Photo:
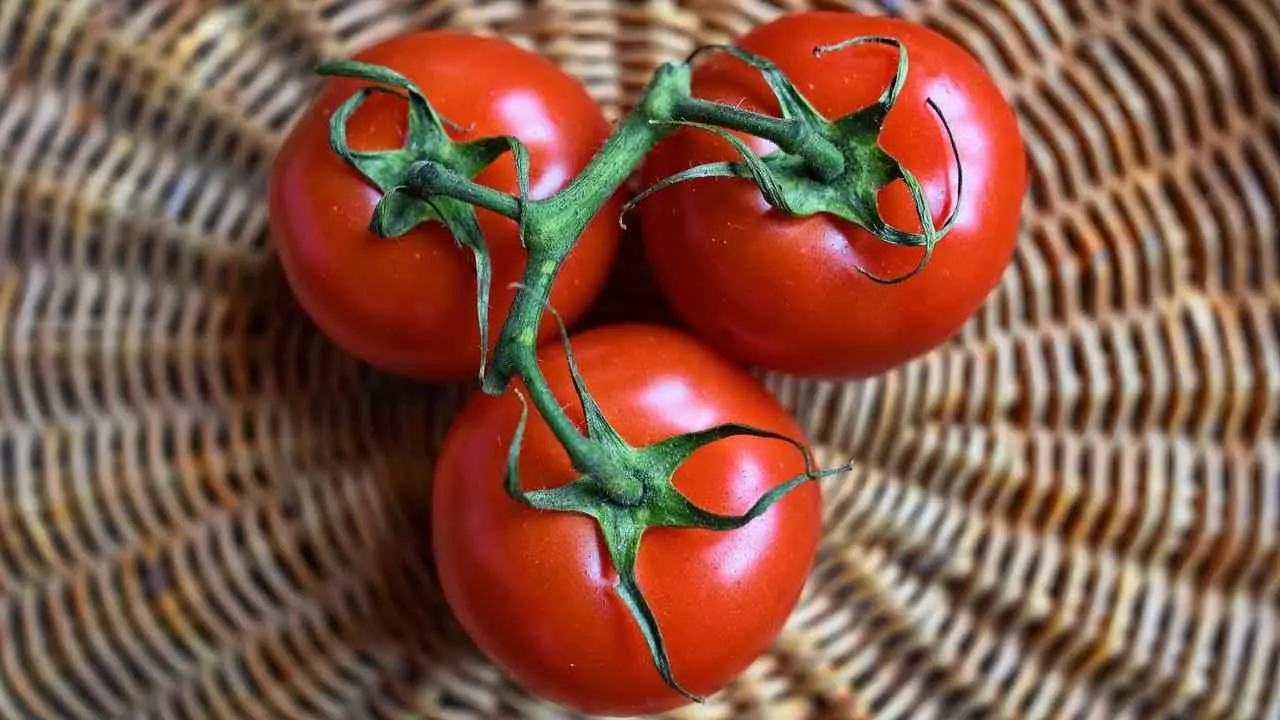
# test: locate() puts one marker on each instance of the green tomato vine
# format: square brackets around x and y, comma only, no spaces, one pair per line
[836,167]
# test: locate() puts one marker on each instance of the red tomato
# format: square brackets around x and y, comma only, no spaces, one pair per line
[407,305]
[783,293]
[534,589]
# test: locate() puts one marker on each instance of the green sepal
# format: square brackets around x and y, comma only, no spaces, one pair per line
[794,105]
[706,170]
[598,427]
[665,456]
[400,209]
[857,199]
[475,156]
[582,496]
[579,496]
[426,127]
[622,534]
[788,182]
[512,477]
[384,168]
[620,527]
[671,508]
[884,169]
[871,118]
[460,219]
[752,166]
[576,497]
[622,524]
[425,138]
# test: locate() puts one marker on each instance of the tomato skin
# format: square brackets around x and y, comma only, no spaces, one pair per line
[535,589]
[407,305]
[783,293]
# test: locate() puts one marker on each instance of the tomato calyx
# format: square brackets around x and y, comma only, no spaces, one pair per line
[821,166]
[427,145]
[627,490]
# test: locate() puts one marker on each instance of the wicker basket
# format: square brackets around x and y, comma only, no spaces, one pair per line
[206,510]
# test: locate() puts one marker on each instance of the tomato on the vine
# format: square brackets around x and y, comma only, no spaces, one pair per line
[535,589]
[408,305]
[784,293]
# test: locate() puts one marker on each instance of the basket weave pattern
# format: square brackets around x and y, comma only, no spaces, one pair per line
[206,510]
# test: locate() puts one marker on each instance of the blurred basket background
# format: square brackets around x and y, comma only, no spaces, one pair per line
[206,510]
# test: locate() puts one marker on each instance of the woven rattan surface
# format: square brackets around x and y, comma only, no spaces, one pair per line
[1072,510]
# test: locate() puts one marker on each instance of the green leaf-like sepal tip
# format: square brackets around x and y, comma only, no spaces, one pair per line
[622,519]
[790,184]
[751,166]
[794,105]
[401,208]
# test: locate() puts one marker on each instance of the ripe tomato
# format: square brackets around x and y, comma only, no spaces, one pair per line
[534,589]
[782,292]
[407,305]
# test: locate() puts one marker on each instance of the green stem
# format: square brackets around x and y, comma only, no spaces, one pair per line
[779,131]
[553,225]
[792,136]
[515,351]
[517,355]
[429,178]
[556,222]
[575,443]
[587,457]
